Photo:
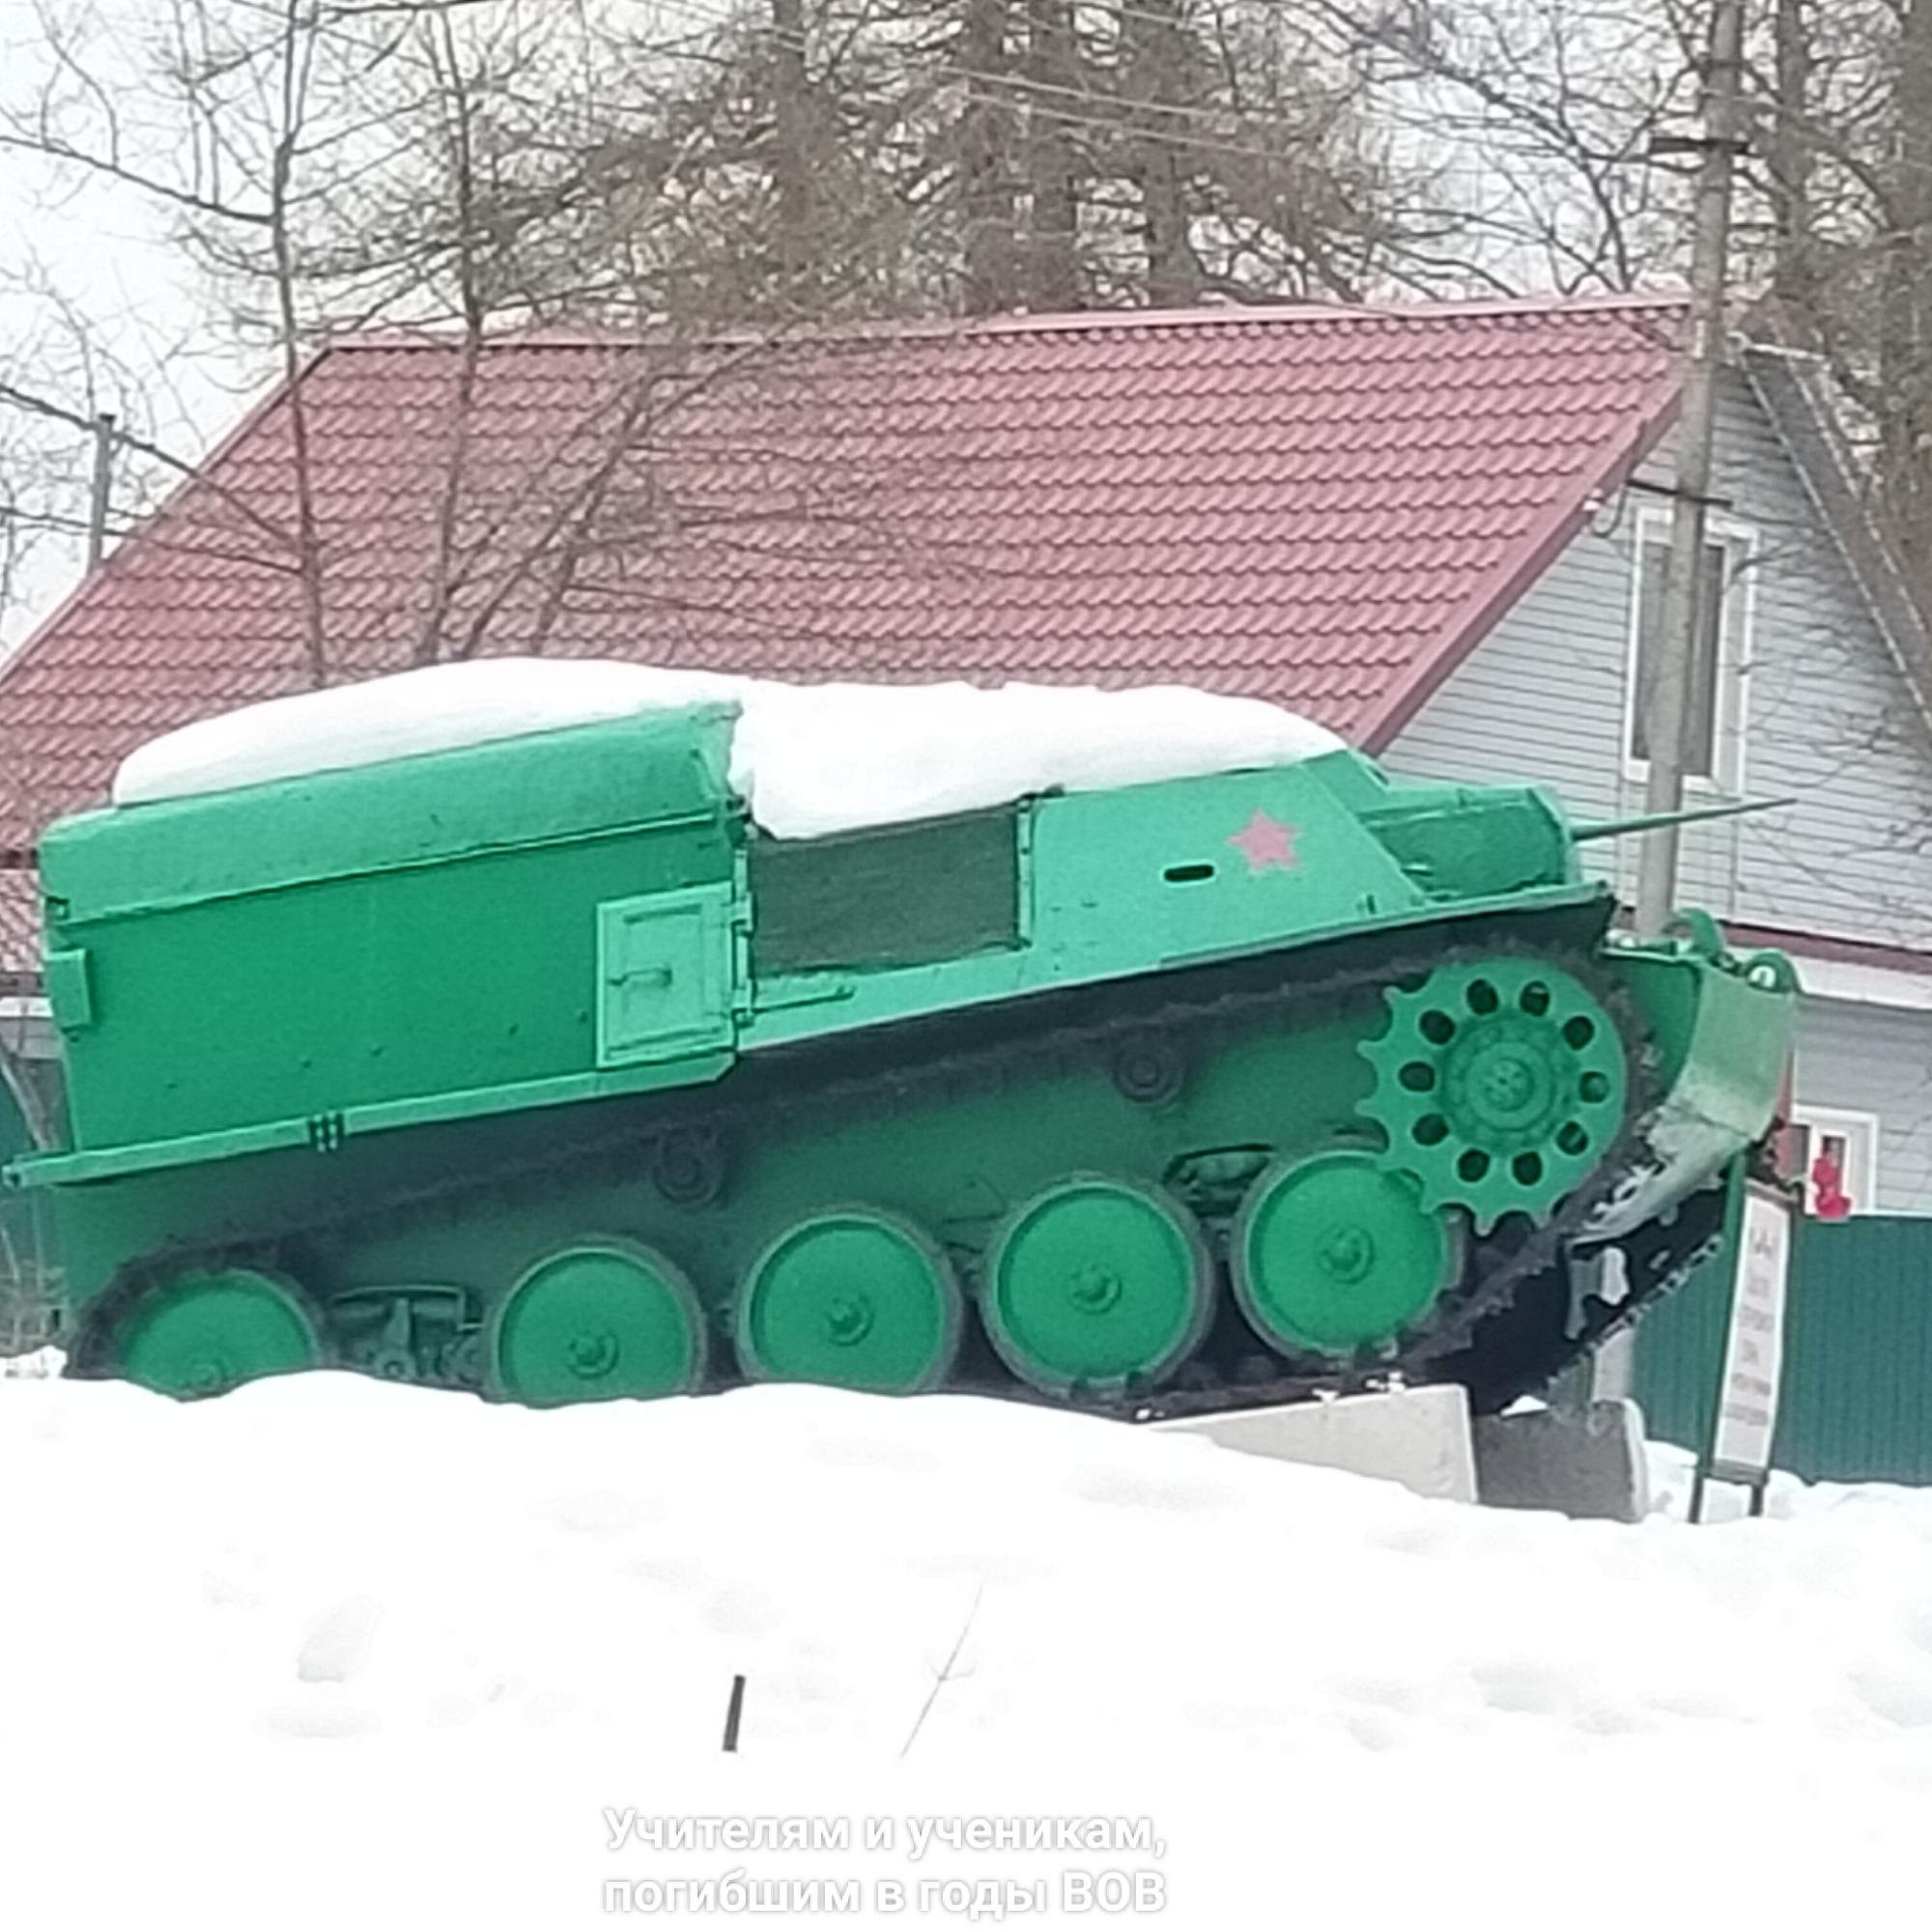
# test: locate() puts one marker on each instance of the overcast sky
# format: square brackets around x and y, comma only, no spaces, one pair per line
[96,308]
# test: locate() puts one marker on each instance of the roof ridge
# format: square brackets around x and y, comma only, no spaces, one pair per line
[552,338]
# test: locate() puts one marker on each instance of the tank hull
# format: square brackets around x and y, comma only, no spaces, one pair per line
[404,1250]
[534,1066]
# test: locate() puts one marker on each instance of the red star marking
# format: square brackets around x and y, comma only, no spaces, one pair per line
[1265,841]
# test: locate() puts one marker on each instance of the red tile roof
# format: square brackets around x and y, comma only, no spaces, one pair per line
[1325,507]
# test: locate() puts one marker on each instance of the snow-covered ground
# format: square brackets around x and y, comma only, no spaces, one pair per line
[331,1652]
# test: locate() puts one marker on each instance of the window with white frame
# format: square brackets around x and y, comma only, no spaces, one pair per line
[1836,1157]
[1721,649]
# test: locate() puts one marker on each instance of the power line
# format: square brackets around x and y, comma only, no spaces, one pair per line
[1122,123]
[1099,109]
[1085,106]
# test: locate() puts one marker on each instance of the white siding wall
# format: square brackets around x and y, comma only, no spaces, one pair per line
[1875,1060]
[1829,717]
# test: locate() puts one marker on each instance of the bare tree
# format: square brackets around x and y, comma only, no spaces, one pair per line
[1161,78]
[1052,277]
[1531,130]
[986,138]
[332,168]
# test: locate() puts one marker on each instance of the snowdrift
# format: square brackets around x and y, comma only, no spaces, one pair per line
[331,1652]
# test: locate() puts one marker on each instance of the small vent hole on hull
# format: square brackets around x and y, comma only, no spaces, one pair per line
[1187,875]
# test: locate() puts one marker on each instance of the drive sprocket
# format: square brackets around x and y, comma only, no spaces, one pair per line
[1499,1083]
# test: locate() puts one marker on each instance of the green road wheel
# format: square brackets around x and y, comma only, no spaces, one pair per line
[206,1332]
[854,1297]
[599,1320]
[1097,1284]
[1334,1253]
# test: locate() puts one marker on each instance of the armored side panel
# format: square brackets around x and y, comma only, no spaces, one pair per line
[515,923]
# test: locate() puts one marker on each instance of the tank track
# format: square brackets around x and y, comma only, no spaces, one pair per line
[1498,1266]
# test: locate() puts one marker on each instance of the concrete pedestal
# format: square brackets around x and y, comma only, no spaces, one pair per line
[1417,1438]
[1584,1463]
[1587,1463]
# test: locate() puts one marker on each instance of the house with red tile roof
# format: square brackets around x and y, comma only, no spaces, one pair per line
[1438,529]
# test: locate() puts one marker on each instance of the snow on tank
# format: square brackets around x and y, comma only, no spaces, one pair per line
[808,759]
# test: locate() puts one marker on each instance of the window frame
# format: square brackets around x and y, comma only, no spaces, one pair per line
[1736,642]
[1860,1130]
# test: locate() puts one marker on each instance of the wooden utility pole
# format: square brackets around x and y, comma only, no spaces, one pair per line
[1668,700]
[1789,160]
[1666,716]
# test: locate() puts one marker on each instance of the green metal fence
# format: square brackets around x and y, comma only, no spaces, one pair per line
[1856,1401]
